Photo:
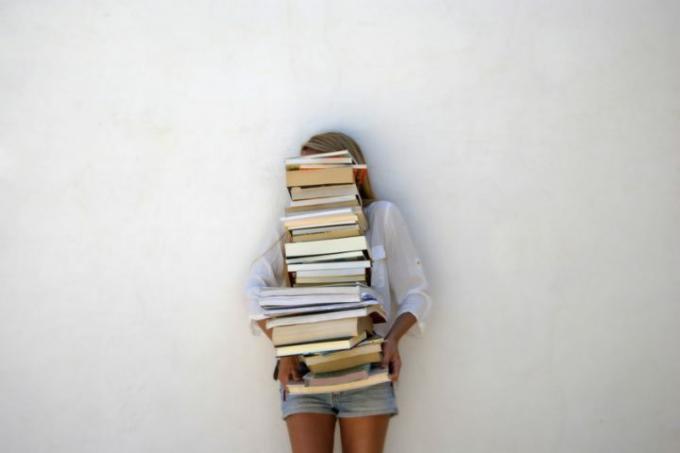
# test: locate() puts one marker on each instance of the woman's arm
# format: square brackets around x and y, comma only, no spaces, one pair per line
[407,279]
[390,347]
[405,270]
[401,325]
[268,270]
[287,368]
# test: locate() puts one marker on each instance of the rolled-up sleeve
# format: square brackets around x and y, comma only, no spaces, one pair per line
[266,270]
[405,269]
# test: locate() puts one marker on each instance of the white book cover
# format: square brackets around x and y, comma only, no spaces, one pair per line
[326,316]
[302,193]
[324,229]
[342,153]
[285,301]
[285,311]
[331,272]
[317,201]
[329,257]
[318,213]
[295,291]
[352,243]
[363,264]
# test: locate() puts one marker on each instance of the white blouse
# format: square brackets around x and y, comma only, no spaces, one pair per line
[397,272]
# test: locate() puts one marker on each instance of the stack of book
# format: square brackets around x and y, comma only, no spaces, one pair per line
[327,312]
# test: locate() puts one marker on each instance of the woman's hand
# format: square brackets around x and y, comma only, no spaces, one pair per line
[288,370]
[390,346]
[391,358]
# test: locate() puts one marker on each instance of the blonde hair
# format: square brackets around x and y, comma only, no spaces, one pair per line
[337,141]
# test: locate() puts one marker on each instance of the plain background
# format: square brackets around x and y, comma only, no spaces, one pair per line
[533,147]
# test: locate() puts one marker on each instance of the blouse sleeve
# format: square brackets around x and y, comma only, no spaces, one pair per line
[405,270]
[266,270]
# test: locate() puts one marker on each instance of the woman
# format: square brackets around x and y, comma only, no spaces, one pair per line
[396,270]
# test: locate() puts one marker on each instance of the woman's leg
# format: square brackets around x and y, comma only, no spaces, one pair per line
[310,432]
[364,434]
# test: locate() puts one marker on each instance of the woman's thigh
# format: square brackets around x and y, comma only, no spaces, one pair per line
[310,432]
[364,434]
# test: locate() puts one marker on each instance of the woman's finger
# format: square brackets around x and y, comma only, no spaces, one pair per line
[386,359]
[397,368]
[283,373]
[296,371]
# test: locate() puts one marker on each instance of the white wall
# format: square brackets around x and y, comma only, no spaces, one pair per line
[532,146]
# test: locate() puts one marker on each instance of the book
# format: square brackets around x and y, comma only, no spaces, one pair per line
[306,280]
[370,345]
[376,376]
[319,346]
[336,257]
[334,175]
[323,229]
[329,158]
[321,331]
[312,162]
[296,310]
[329,265]
[349,374]
[321,203]
[328,232]
[338,219]
[310,299]
[345,201]
[326,217]
[357,291]
[338,153]
[341,364]
[293,249]
[316,175]
[326,191]
[376,312]
[368,351]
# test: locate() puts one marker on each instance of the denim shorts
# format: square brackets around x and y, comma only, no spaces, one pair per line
[376,399]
